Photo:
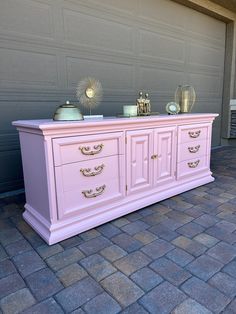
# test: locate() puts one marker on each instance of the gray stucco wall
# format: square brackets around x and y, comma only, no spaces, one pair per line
[47,46]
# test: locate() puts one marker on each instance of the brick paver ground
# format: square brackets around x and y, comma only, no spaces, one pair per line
[177,256]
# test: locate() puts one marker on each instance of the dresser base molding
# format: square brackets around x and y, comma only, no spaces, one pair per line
[62,230]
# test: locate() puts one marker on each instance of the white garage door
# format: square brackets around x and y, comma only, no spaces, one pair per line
[47,46]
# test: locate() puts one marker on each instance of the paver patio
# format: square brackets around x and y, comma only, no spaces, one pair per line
[177,256]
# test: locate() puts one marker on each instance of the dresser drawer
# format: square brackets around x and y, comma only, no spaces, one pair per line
[192,166]
[85,185]
[80,148]
[193,133]
[192,150]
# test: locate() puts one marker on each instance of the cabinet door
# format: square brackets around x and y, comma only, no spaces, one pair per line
[139,162]
[165,152]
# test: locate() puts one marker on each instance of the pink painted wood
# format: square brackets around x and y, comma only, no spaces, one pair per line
[192,166]
[165,150]
[67,150]
[139,163]
[71,183]
[194,149]
[56,205]
[193,133]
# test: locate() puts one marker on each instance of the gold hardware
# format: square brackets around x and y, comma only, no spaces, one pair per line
[154,156]
[193,164]
[126,187]
[91,194]
[143,105]
[194,149]
[86,150]
[88,173]
[194,134]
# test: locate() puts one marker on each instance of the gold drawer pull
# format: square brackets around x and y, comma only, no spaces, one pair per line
[91,194]
[194,149]
[86,150]
[154,156]
[194,134]
[193,164]
[87,172]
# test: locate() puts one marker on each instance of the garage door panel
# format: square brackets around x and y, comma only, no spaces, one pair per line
[26,17]
[11,177]
[156,79]
[216,135]
[23,110]
[205,55]
[164,11]
[89,30]
[25,68]
[204,83]
[119,6]
[206,26]
[113,75]
[207,104]
[161,47]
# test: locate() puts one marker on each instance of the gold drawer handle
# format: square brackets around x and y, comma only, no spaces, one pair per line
[86,150]
[87,172]
[91,194]
[154,156]
[194,149]
[193,164]
[194,134]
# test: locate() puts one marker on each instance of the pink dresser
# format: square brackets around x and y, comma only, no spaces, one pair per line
[79,175]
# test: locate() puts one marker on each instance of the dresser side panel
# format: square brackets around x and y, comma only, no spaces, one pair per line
[35,173]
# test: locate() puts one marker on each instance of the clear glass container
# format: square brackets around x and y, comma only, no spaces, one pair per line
[185,96]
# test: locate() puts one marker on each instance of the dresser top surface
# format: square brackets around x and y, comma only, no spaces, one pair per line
[47,124]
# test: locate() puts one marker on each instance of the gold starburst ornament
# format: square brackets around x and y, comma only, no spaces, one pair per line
[89,93]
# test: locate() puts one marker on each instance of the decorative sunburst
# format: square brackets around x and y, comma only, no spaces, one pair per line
[89,92]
